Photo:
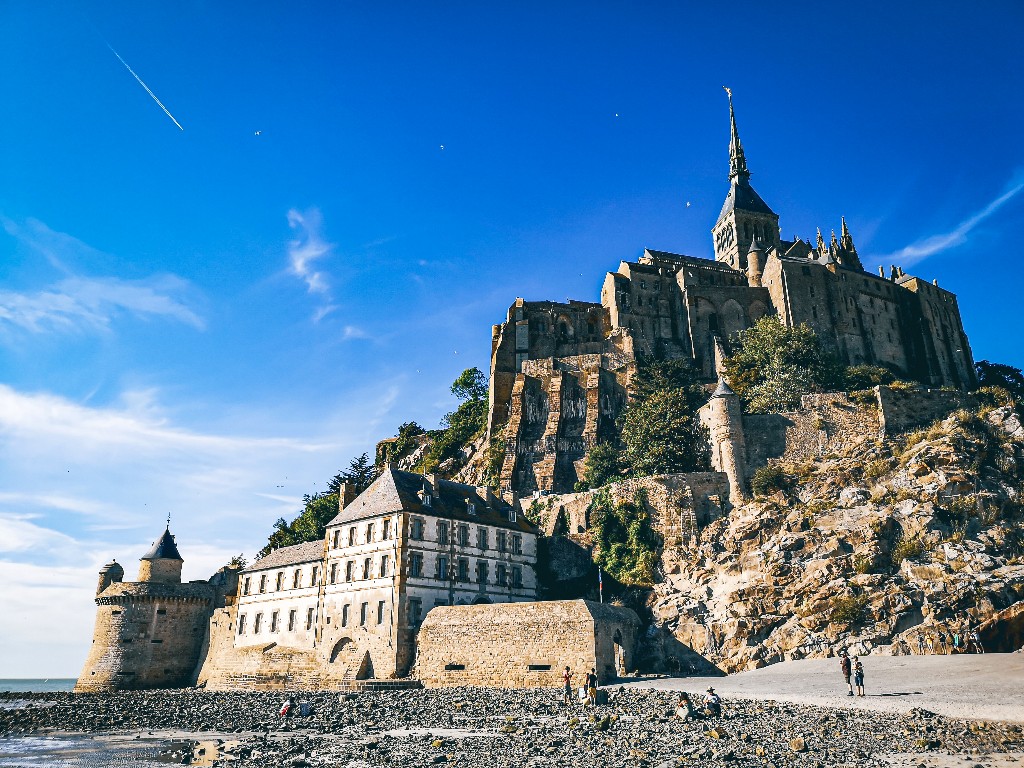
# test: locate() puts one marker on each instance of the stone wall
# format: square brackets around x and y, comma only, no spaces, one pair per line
[902,409]
[678,504]
[823,424]
[524,645]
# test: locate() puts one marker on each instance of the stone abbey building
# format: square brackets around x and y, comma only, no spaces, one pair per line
[560,371]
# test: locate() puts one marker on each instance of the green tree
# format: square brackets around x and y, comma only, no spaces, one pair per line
[360,473]
[1001,376]
[463,425]
[660,429]
[773,365]
[602,465]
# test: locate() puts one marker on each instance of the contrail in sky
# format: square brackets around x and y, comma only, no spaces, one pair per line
[166,112]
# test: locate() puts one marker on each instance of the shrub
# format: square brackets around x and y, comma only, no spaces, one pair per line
[603,465]
[875,469]
[625,544]
[769,479]
[847,610]
[906,549]
[495,458]
[864,377]
[863,563]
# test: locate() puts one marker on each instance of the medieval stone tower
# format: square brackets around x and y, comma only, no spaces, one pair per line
[149,632]
[723,417]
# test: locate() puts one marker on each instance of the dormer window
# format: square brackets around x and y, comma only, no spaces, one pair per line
[471,507]
[512,515]
[426,499]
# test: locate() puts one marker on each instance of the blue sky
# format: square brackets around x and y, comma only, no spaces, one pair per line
[209,322]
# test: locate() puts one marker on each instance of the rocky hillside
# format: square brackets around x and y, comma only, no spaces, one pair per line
[863,549]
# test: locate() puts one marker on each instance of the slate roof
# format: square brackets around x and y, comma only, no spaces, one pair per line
[163,548]
[307,552]
[396,490]
[743,197]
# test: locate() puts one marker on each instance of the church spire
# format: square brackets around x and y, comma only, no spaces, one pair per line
[845,240]
[737,160]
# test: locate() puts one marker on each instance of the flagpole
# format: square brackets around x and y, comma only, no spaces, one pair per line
[600,585]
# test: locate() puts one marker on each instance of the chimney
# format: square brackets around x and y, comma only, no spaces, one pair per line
[346,495]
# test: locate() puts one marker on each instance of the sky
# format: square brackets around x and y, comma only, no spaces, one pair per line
[241,242]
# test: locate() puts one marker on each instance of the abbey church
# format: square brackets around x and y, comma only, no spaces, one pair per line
[560,371]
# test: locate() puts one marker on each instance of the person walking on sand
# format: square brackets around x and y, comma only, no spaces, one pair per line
[956,642]
[920,644]
[942,642]
[976,642]
[847,669]
[858,676]
[931,645]
[567,685]
[592,687]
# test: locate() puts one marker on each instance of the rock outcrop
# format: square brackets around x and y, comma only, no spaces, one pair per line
[864,549]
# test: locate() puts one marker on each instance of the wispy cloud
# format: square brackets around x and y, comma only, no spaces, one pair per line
[309,247]
[83,303]
[86,303]
[933,244]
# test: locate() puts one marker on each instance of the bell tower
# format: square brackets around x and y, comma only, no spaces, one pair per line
[745,217]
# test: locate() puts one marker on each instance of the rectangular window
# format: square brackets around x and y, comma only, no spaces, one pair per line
[471,507]
[517,544]
[362,614]
[426,499]
[517,577]
[313,579]
[279,584]
[337,538]
[291,620]
[481,571]
[538,667]
[256,622]
[512,515]
[241,624]
[369,533]
[344,615]
[442,531]
[416,529]
[502,538]
[309,618]
[273,621]
[245,588]
[415,564]
[463,535]
[334,573]
[442,567]
[263,583]
[383,566]
[387,528]
[296,578]
[350,567]
[415,611]
[500,575]
[481,538]
[352,536]
[380,611]
[463,569]
[366,567]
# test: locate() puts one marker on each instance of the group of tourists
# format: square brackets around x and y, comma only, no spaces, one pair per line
[853,672]
[587,693]
[956,641]
[686,709]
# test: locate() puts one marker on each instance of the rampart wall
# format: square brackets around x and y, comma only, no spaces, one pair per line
[524,645]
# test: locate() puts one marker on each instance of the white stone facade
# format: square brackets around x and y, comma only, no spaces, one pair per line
[408,544]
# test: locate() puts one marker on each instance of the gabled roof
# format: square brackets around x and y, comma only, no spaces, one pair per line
[743,197]
[163,548]
[307,552]
[396,490]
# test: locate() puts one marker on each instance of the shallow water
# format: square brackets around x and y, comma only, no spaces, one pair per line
[39,685]
[102,751]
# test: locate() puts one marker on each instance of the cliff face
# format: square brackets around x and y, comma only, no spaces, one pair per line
[866,548]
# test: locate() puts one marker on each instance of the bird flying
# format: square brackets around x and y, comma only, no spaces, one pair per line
[153,95]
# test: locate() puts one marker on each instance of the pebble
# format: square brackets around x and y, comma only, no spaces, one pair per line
[514,728]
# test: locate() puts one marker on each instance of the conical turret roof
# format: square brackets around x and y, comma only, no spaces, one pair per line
[163,549]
